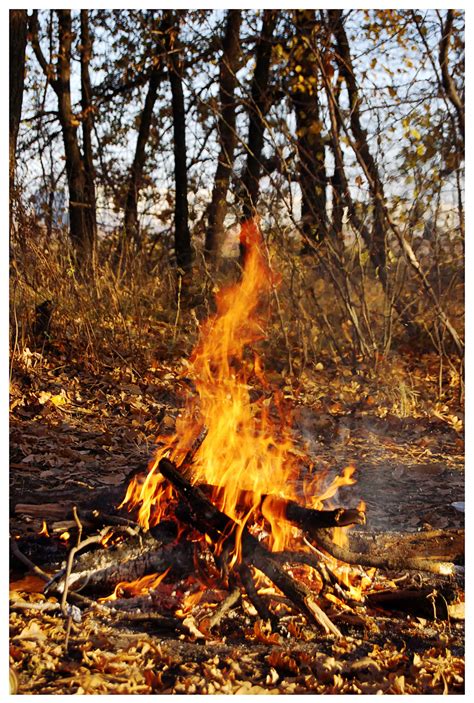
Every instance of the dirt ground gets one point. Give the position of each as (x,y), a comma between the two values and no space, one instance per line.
(79,433)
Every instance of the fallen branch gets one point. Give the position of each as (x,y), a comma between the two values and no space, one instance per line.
(177,557)
(394,560)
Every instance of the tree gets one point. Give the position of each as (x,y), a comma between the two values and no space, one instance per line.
(87,119)
(377,243)
(258,105)
(18,40)
(229,65)
(82,206)
(448,83)
(309,126)
(131,224)
(182,235)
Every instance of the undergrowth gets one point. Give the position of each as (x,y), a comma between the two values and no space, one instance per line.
(134,315)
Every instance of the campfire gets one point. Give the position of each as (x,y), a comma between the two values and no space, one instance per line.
(231,507)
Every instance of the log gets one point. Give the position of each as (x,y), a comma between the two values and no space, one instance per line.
(392,555)
(177,557)
(208,519)
(308,519)
(425,602)
(439,545)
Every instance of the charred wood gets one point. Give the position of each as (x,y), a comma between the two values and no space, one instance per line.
(425,602)
(218,525)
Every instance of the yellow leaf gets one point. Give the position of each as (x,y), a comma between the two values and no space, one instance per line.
(415,133)
(58,399)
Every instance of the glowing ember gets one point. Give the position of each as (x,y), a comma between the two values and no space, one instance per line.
(248,452)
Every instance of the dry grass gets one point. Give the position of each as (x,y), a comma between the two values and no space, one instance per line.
(133,315)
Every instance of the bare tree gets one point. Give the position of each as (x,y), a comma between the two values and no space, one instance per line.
(82,207)
(229,65)
(131,223)
(259,104)
(448,83)
(175,68)
(18,39)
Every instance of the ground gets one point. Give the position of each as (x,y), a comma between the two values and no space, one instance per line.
(75,431)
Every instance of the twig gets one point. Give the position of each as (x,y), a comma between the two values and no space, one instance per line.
(78,523)
(95,539)
(229,601)
(259,605)
(27,562)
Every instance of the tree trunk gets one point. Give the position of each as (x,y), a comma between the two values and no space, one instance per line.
(18,37)
(182,236)
(310,144)
(259,105)
(80,219)
(87,127)
(81,207)
(365,158)
(131,225)
(229,66)
(447,81)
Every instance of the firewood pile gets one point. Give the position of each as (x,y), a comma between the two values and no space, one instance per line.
(184,580)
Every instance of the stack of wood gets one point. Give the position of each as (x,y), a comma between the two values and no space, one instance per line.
(167,547)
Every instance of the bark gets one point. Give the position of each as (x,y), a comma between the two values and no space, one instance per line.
(175,68)
(310,143)
(259,105)
(229,65)
(448,83)
(18,37)
(81,207)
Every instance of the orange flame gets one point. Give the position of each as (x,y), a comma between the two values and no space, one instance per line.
(142,586)
(44,529)
(248,451)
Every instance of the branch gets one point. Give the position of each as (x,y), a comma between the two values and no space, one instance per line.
(447,80)
(47,68)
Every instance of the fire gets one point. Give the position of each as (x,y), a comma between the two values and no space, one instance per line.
(248,453)
(140,586)
(44,529)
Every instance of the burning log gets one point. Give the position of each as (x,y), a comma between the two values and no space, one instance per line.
(177,558)
(208,519)
(308,519)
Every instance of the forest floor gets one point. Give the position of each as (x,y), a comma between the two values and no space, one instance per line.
(77,429)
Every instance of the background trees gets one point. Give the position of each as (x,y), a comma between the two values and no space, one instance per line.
(155,132)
